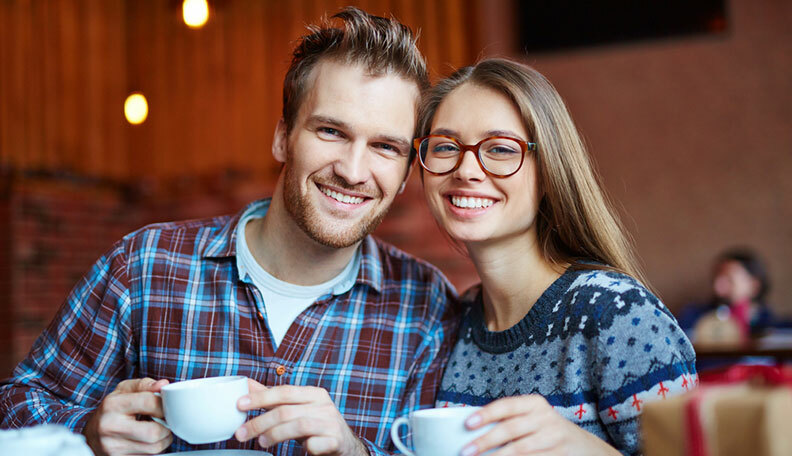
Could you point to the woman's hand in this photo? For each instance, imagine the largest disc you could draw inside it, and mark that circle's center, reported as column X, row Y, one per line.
column 529, row 425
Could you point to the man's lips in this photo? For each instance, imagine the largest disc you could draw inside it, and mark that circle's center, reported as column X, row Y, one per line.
column 342, row 196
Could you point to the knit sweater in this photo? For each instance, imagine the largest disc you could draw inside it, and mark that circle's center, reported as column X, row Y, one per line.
column 597, row 345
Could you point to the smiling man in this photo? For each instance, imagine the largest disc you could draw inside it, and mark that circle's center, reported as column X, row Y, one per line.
column 338, row 332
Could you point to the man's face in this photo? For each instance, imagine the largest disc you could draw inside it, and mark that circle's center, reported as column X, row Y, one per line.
column 347, row 154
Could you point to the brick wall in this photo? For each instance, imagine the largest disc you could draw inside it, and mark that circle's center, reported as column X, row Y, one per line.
column 52, row 229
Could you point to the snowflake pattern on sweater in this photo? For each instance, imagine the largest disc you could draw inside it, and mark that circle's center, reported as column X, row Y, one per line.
column 597, row 345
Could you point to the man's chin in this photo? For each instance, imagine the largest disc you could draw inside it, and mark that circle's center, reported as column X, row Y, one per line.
column 335, row 239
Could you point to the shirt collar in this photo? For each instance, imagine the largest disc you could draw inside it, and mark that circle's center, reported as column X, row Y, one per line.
column 223, row 245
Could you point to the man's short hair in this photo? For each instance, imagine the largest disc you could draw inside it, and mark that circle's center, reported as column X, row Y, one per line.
column 380, row 44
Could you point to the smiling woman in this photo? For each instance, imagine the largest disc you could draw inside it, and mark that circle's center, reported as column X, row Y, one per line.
column 561, row 341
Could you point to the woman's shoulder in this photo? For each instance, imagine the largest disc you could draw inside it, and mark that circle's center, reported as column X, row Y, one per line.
column 615, row 297
column 601, row 280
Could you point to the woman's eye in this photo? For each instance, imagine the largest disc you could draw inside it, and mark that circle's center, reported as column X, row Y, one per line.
column 501, row 150
column 445, row 148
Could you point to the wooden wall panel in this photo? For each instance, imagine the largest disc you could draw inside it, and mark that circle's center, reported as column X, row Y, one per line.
column 214, row 93
column 62, row 79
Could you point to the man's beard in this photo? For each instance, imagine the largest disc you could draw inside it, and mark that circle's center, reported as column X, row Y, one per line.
column 308, row 219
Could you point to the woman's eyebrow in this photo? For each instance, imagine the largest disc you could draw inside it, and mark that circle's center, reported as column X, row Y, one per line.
column 446, row 132
column 508, row 133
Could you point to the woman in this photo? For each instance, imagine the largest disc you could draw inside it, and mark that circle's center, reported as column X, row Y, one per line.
column 560, row 339
column 740, row 284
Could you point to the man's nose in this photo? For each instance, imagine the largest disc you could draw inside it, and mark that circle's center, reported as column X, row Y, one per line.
column 353, row 165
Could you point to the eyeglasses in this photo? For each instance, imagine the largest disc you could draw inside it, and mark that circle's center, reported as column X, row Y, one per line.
column 498, row 156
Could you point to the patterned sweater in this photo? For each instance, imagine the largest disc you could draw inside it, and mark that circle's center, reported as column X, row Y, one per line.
column 597, row 345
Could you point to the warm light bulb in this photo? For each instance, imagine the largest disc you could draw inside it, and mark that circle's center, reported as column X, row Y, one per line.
column 136, row 108
column 195, row 13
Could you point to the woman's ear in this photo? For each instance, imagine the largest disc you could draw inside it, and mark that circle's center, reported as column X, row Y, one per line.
column 280, row 142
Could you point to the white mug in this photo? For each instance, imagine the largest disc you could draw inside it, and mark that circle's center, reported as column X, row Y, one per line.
column 437, row 431
column 204, row 410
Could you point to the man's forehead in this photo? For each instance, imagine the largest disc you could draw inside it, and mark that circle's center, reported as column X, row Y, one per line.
column 352, row 95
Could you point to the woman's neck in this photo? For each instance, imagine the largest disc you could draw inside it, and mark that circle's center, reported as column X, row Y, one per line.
column 514, row 274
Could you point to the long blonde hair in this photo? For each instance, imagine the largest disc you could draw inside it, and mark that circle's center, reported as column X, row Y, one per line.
column 576, row 222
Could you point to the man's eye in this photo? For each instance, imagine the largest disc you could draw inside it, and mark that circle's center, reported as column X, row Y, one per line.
column 328, row 132
column 390, row 148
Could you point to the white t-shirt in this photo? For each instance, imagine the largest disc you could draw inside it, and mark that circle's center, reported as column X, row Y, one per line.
column 284, row 301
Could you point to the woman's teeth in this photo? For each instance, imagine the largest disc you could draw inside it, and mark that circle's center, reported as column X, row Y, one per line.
column 471, row 203
column 341, row 197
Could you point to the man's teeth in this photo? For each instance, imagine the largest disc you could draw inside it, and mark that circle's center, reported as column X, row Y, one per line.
column 473, row 203
column 341, row 197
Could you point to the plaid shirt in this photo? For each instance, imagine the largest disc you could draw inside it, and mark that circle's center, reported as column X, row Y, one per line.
column 167, row 302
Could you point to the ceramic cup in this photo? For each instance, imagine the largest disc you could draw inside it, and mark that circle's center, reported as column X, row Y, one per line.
column 203, row 410
column 437, row 432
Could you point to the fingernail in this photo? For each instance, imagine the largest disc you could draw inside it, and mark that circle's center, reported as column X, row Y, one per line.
column 244, row 401
column 473, row 420
column 241, row 433
column 469, row 450
column 263, row 441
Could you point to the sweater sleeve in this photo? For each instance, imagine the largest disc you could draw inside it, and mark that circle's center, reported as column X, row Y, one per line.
column 642, row 356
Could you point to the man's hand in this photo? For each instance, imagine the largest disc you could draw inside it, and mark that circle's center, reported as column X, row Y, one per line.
column 113, row 430
column 302, row 413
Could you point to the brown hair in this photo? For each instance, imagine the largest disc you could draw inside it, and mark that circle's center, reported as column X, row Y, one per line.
column 382, row 45
column 576, row 222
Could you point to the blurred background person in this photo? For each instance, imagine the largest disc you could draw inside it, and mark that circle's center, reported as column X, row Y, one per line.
column 737, row 308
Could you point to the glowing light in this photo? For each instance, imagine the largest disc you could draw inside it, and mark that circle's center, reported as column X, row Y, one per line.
column 195, row 13
column 136, row 108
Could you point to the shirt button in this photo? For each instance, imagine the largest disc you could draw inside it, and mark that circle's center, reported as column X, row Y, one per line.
column 280, row 370
column 260, row 315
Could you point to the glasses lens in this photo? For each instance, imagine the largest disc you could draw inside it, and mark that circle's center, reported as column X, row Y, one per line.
column 439, row 154
column 501, row 156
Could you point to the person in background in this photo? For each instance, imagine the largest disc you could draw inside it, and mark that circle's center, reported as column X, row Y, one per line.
column 339, row 332
column 561, row 342
column 740, row 284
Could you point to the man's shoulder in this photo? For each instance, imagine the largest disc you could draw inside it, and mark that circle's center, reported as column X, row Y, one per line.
column 177, row 236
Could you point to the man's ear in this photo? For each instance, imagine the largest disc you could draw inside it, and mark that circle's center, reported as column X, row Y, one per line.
column 280, row 142
column 406, row 178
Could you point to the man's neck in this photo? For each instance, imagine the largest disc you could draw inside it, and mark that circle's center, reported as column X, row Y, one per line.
column 283, row 249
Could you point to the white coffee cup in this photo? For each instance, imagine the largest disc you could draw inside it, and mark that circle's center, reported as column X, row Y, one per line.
column 204, row 410
column 437, row 431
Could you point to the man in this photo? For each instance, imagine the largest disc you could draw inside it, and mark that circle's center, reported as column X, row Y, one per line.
column 338, row 332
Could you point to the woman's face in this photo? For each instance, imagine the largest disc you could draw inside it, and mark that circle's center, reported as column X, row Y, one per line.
column 470, row 205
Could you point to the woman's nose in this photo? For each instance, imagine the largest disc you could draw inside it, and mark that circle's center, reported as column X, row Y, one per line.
column 469, row 169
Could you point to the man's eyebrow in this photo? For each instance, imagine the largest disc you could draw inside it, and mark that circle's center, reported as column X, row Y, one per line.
column 341, row 125
column 398, row 140
column 319, row 119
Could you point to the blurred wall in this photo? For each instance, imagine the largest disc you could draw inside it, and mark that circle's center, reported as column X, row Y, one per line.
column 214, row 93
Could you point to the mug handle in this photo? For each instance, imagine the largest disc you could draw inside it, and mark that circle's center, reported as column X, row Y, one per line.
column 395, row 435
column 159, row 420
